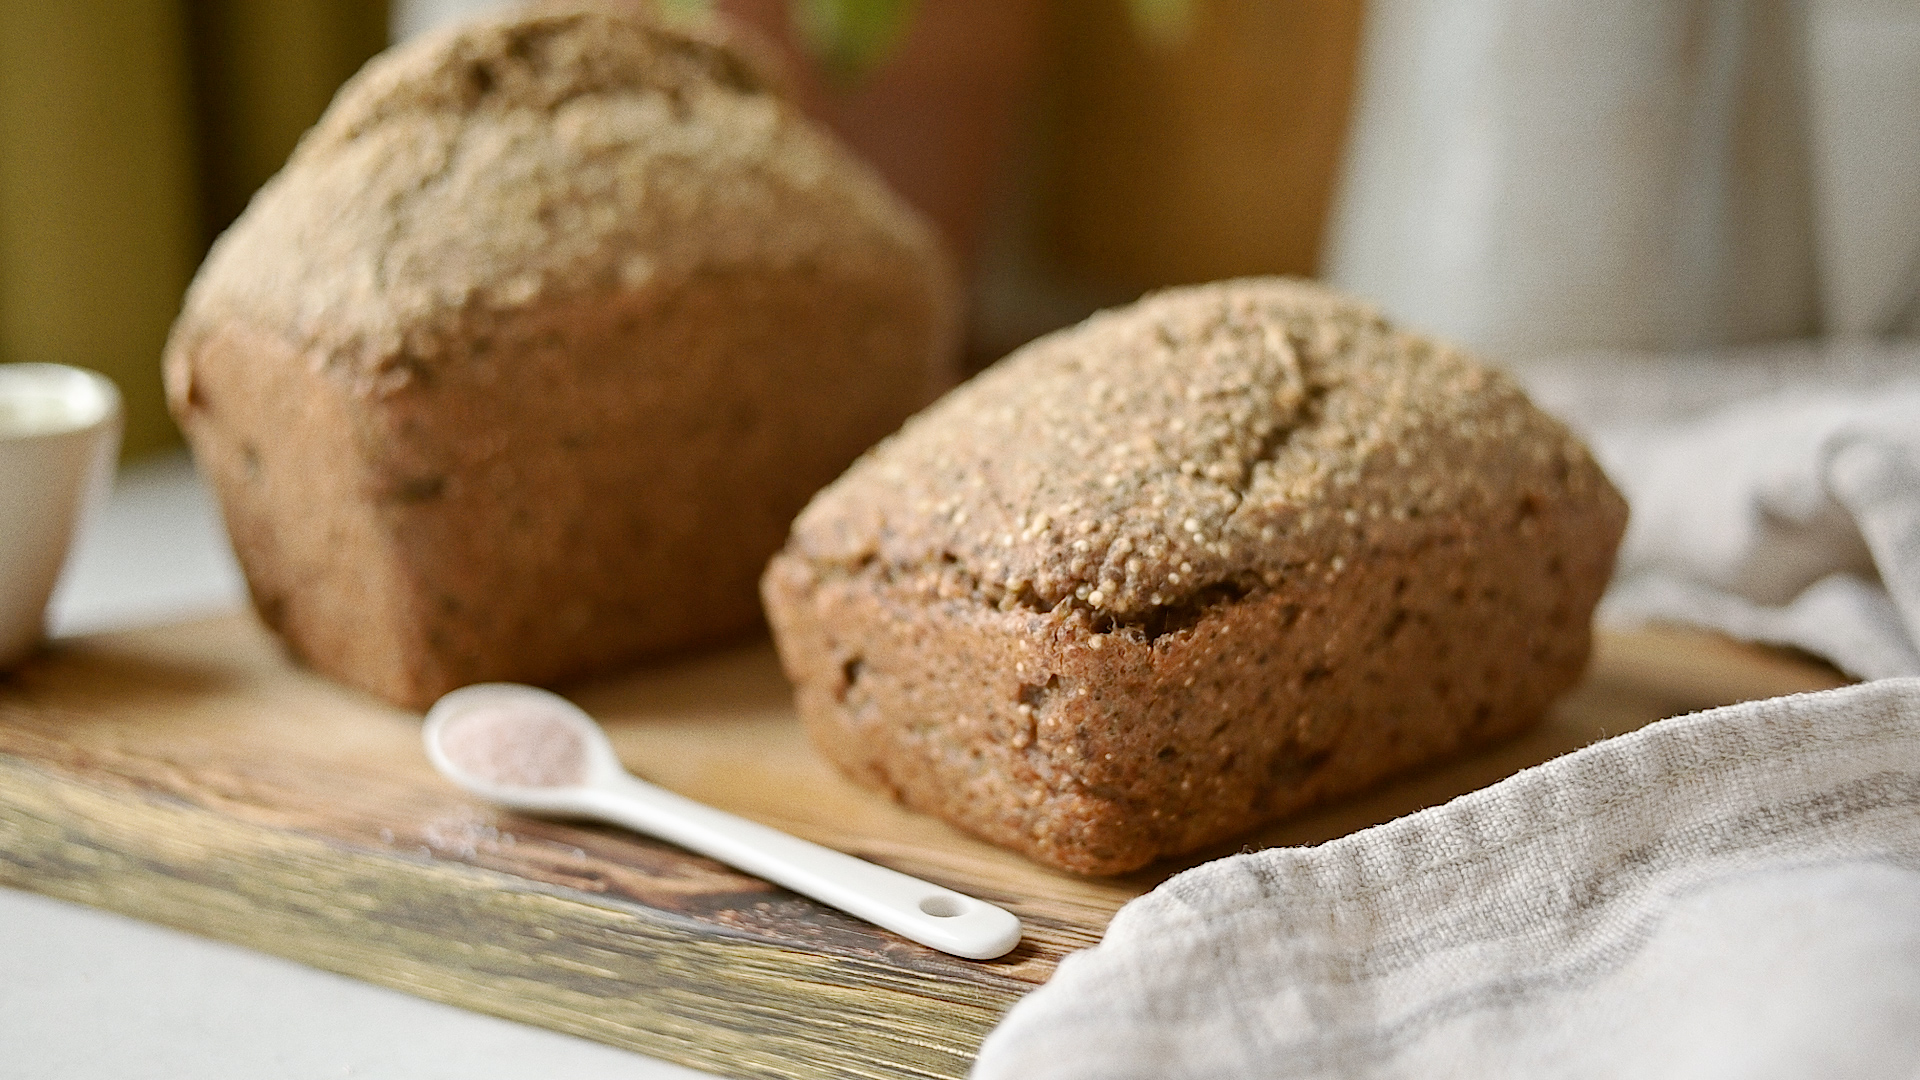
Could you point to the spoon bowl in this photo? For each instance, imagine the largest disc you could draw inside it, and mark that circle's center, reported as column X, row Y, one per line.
column 478, row 737
column 529, row 749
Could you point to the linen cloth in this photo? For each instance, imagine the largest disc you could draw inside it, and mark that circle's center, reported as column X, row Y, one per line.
column 1775, row 493
column 1734, row 893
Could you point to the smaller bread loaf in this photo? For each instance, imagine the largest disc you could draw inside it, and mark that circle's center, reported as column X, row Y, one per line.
column 1189, row 566
column 523, row 365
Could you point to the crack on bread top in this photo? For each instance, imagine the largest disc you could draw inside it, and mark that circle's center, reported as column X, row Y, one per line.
column 1189, row 450
column 514, row 160
column 541, row 61
column 946, row 581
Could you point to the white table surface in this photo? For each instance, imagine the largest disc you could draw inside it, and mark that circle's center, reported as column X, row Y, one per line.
column 86, row 994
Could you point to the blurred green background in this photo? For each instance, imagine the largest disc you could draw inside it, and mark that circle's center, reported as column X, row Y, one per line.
column 131, row 133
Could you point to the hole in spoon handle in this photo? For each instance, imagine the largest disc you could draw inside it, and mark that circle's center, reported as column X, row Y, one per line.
column 942, row 906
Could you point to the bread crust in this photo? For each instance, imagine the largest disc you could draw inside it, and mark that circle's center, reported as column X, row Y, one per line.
column 523, row 365
column 1406, row 569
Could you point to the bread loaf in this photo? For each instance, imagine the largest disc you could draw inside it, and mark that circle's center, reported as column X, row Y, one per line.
column 1189, row 566
column 524, row 363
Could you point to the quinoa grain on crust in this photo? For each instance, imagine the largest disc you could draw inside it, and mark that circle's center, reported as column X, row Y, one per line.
column 1194, row 564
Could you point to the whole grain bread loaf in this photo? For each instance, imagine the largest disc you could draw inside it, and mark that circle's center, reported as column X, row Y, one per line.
column 525, row 362
column 1191, row 565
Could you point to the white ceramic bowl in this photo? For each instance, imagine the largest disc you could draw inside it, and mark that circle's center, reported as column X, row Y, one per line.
column 59, row 438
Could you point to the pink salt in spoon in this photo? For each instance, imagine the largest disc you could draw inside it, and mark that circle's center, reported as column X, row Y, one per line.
column 527, row 749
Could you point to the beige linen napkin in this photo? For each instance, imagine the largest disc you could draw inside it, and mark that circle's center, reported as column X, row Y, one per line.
column 1775, row 492
column 1734, row 893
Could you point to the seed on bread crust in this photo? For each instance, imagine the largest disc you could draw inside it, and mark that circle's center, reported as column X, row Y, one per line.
column 1258, row 547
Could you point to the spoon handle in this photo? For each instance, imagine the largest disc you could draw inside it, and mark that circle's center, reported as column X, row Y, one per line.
column 922, row 911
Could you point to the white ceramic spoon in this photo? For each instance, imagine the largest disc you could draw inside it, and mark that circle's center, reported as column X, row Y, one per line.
column 527, row 749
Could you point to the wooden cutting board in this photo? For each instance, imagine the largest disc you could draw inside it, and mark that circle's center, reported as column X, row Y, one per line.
column 191, row 776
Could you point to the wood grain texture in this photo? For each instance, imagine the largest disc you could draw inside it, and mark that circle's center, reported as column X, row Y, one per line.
column 190, row 776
